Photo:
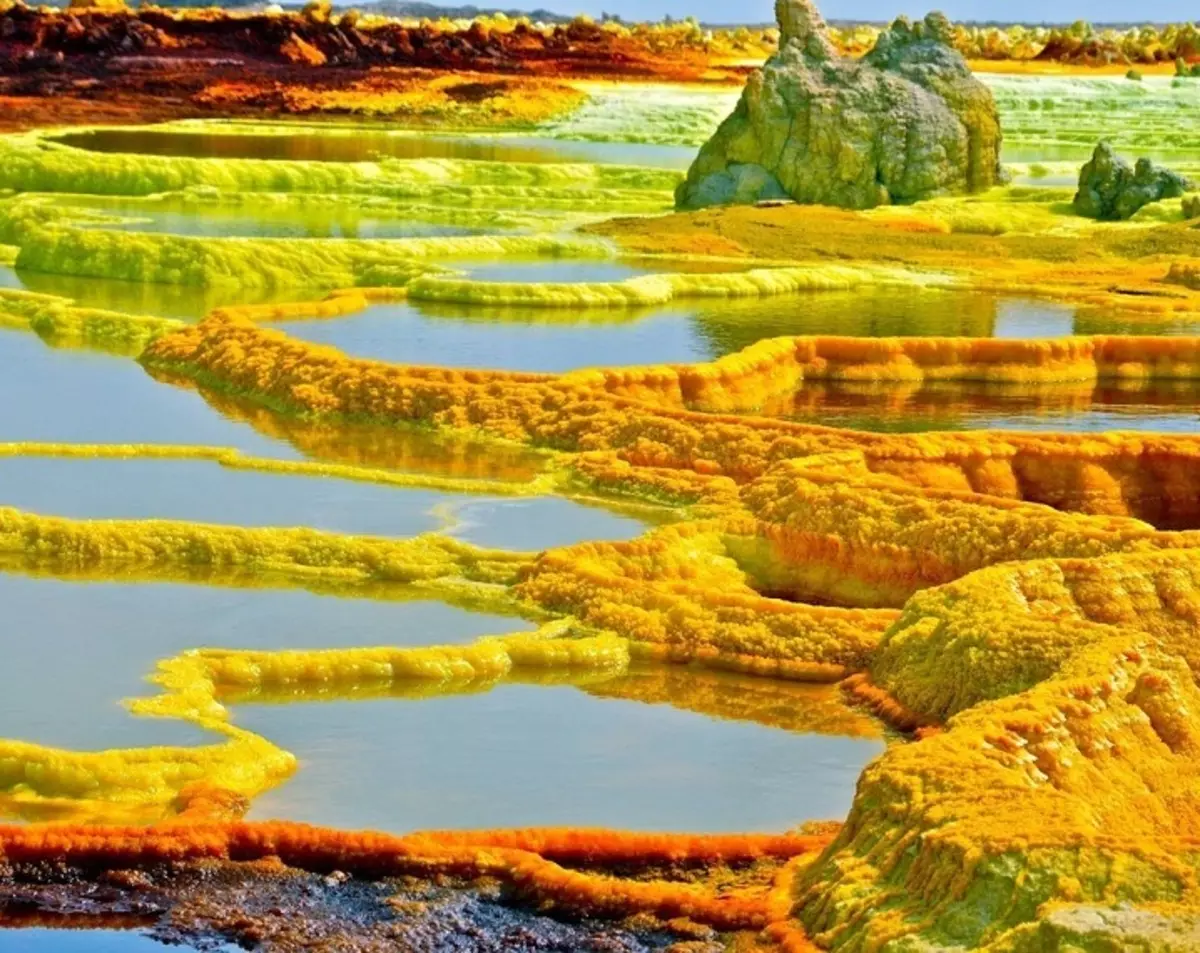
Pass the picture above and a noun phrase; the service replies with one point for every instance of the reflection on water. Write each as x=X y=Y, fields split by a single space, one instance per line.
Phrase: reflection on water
x=204 y=223
x=1160 y=406
x=562 y=755
x=52 y=395
x=205 y=492
x=468 y=337
x=78 y=648
x=1033 y=319
x=135 y=297
x=658 y=748
x=558 y=340
x=295 y=143
x=284 y=215
x=57 y=395
x=394 y=446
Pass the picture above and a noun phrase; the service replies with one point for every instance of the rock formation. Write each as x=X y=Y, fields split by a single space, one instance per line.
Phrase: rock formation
x=1110 y=190
x=905 y=122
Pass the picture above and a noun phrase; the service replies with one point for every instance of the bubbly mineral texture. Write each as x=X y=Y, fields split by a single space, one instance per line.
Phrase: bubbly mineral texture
x=1109 y=189
x=905 y=122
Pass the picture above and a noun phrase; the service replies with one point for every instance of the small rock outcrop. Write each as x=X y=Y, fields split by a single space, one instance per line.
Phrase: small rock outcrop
x=1112 y=191
x=905 y=122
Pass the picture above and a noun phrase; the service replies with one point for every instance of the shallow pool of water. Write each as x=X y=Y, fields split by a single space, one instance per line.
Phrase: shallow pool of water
x=55 y=395
x=76 y=649
x=75 y=396
x=556 y=340
x=542 y=340
x=284 y=215
x=661 y=748
x=553 y=270
x=205 y=492
x=522 y=755
x=204 y=224
x=359 y=145
x=41 y=940
x=134 y=297
x=1167 y=407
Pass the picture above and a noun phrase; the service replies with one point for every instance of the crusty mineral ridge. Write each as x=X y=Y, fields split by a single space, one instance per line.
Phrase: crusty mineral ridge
x=905 y=122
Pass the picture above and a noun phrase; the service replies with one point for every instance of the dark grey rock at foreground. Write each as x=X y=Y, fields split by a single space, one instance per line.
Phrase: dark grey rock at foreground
x=907 y=121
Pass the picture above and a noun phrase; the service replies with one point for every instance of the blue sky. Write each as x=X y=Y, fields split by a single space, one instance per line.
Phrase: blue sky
x=721 y=11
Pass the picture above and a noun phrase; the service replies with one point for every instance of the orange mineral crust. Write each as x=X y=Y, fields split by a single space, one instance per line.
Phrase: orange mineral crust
x=1150 y=478
x=565 y=869
x=1024 y=604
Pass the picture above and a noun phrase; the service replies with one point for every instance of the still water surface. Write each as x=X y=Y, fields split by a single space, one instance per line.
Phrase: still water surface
x=557 y=755
x=205 y=492
x=294 y=143
x=702 y=752
x=518 y=754
x=557 y=340
x=81 y=941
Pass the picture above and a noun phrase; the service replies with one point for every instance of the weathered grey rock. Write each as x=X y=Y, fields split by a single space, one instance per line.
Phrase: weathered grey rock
x=1110 y=190
x=905 y=122
x=1118 y=929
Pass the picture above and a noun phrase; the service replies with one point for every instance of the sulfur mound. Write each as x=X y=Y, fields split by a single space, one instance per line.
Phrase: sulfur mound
x=1110 y=190
x=905 y=122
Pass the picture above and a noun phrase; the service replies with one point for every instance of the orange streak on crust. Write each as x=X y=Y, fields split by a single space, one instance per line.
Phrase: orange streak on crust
x=862 y=690
x=530 y=859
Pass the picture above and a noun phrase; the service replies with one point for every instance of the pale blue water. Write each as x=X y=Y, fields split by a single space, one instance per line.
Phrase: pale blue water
x=75 y=396
x=551 y=755
x=54 y=395
x=551 y=341
x=79 y=941
x=518 y=754
x=206 y=492
x=556 y=340
x=1095 y=419
x=203 y=223
x=76 y=649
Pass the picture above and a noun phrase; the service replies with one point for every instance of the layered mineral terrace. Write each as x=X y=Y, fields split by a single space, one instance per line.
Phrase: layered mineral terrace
x=1020 y=608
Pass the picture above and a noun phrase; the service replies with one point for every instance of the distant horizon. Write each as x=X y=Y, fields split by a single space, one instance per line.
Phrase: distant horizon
x=1025 y=12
